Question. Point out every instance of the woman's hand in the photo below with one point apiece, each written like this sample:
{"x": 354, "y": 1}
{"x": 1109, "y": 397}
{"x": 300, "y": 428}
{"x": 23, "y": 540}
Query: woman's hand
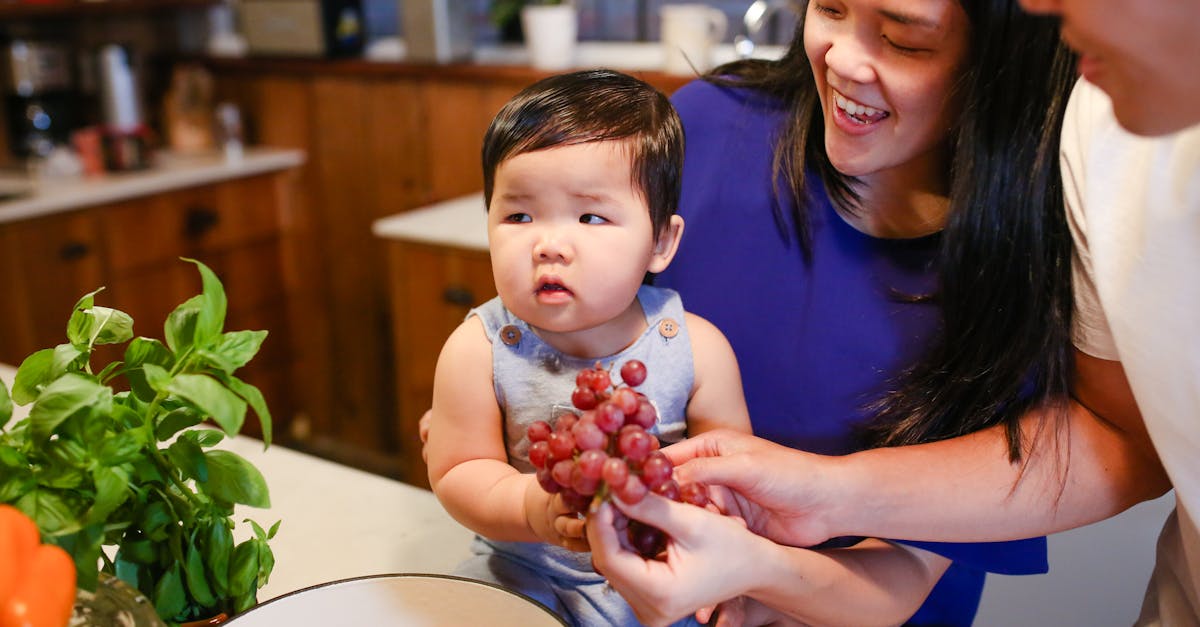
{"x": 781, "y": 493}
{"x": 709, "y": 559}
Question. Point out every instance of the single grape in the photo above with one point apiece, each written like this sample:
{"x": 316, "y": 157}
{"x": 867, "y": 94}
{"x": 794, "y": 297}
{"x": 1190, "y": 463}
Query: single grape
{"x": 625, "y": 399}
{"x": 634, "y": 444}
{"x": 539, "y": 452}
{"x": 646, "y": 540}
{"x": 547, "y": 482}
{"x": 609, "y": 417}
{"x": 562, "y": 444}
{"x": 584, "y": 378}
{"x": 561, "y": 471}
{"x": 588, "y": 436}
{"x": 632, "y": 491}
{"x": 645, "y": 416}
{"x": 694, "y": 493}
{"x": 615, "y": 471}
{"x": 600, "y": 381}
{"x": 565, "y": 422}
{"x": 591, "y": 463}
{"x": 656, "y": 470}
{"x": 582, "y": 483}
{"x": 633, "y": 373}
{"x": 668, "y": 489}
{"x": 575, "y": 501}
{"x": 538, "y": 431}
{"x": 583, "y": 398}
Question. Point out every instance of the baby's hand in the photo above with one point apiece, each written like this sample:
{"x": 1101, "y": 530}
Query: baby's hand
{"x": 552, "y": 521}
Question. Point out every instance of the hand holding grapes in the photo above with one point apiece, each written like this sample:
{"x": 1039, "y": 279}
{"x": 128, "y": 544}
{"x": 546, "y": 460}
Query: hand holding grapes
{"x": 607, "y": 450}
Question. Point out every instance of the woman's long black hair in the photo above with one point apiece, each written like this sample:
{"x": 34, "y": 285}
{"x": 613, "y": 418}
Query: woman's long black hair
{"x": 1004, "y": 264}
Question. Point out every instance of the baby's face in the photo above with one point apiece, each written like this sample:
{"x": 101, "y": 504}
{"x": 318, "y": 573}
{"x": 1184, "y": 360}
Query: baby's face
{"x": 570, "y": 236}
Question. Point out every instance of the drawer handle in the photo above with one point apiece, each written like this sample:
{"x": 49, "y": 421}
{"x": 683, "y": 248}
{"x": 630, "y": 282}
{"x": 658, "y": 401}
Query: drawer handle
{"x": 199, "y": 220}
{"x": 457, "y": 295}
{"x": 73, "y": 251}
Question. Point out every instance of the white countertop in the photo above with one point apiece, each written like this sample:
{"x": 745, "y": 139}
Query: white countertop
{"x": 460, "y": 222}
{"x": 170, "y": 171}
{"x": 339, "y": 522}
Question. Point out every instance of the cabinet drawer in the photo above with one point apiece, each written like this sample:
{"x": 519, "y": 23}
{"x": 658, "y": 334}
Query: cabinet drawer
{"x": 46, "y": 264}
{"x": 189, "y": 222}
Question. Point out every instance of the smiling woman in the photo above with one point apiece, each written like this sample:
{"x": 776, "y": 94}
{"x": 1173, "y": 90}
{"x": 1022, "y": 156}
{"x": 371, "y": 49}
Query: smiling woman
{"x": 884, "y": 202}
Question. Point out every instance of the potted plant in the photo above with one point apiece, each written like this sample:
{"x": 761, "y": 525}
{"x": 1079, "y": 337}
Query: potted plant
{"x": 548, "y": 26}
{"x": 114, "y": 465}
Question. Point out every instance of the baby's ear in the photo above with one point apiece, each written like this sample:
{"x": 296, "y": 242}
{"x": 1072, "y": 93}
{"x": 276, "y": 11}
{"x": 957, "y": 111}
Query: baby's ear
{"x": 667, "y": 244}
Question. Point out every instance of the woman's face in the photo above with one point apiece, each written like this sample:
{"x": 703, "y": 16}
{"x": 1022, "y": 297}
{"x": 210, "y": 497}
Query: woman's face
{"x": 885, "y": 70}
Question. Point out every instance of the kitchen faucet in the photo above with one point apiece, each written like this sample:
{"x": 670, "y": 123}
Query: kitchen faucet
{"x": 754, "y": 20}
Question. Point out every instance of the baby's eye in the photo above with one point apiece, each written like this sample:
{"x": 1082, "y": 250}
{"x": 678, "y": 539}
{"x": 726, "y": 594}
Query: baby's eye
{"x": 518, "y": 217}
{"x": 591, "y": 218}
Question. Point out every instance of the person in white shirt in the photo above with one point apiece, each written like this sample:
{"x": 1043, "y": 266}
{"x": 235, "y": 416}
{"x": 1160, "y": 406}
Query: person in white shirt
{"x": 1131, "y": 172}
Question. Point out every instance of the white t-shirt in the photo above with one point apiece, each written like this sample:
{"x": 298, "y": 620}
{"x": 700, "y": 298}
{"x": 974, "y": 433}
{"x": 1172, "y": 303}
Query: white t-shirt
{"x": 1134, "y": 208}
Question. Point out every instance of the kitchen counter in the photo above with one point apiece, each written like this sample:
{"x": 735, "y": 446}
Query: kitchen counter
{"x": 459, "y": 222}
{"x": 170, "y": 171}
{"x": 339, "y": 522}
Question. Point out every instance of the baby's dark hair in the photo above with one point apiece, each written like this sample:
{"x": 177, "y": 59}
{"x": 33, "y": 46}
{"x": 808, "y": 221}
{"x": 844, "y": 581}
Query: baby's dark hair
{"x": 592, "y": 106}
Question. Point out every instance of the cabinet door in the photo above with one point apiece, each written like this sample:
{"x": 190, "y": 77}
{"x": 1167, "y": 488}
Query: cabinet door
{"x": 46, "y": 264}
{"x": 432, "y": 289}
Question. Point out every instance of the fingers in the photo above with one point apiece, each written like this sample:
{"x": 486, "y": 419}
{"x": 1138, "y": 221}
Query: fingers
{"x": 678, "y": 520}
{"x": 707, "y": 444}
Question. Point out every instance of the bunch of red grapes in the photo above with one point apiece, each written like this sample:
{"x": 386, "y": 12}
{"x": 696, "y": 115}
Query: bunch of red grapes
{"x": 606, "y": 450}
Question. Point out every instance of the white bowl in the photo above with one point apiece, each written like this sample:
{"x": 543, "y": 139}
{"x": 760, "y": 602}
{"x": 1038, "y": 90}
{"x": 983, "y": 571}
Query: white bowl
{"x": 411, "y": 600}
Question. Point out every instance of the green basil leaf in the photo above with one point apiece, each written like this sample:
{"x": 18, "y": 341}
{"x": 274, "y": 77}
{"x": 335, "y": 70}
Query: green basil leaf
{"x": 234, "y": 480}
{"x": 99, "y": 325}
{"x": 64, "y": 451}
{"x": 254, "y": 397}
{"x": 266, "y": 562}
{"x": 211, "y": 317}
{"x": 76, "y": 323}
{"x": 194, "y": 576}
{"x": 243, "y": 570}
{"x": 176, "y": 421}
{"x": 6, "y": 405}
{"x": 169, "y": 596}
{"x": 218, "y": 550}
{"x": 127, "y": 570}
{"x": 112, "y": 490}
{"x": 12, "y": 488}
{"x": 143, "y": 351}
{"x": 274, "y": 530}
{"x": 206, "y": 438}
{"x": 49, "y": 511}
{"x": 155, "y": 518}
{"x": 211, "y": 398}
{"x": 120, "y": 449}
{"x": 186, "y": 454}
{"x": 35, "y": 371}
{"x": 234, "y": 349}
{"x": 138, "y": 551}
{"x": 64, "y": 397}
{"x": 180, "y": 327}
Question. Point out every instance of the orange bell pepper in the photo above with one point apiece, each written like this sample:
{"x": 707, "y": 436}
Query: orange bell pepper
{"x": 37, "y": 581}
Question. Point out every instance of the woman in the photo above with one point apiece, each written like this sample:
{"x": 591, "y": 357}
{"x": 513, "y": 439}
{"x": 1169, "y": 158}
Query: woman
{"x": 875, "y": 222}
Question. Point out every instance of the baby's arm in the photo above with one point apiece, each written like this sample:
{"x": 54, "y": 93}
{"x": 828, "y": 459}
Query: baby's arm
{"x": 468, "y": 463}
{"x": 717, "y": 400}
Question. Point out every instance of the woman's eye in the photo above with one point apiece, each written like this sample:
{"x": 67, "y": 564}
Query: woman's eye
{"x": 903, "y": 49}
{"x": 518, "y": 217}
{"x": 826, "y": 10}
{"x": 591, "y": 218}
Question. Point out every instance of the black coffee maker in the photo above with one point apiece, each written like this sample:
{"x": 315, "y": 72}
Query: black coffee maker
{"x": 41, "y": 102}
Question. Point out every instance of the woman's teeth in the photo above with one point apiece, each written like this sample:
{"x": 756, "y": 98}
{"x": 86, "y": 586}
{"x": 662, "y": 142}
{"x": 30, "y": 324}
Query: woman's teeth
{"x": 860, "y": 112}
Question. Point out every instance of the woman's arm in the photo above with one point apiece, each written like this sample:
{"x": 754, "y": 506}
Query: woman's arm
{"x": 717, "y": 401}
{"x": 468, "y": 462}
{"x": 713, "y": 557}
{"x": 1096, "y": 463}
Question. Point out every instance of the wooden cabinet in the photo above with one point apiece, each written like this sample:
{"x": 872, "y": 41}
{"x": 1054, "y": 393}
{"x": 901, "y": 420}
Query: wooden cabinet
{"x": 432, "y": 288}
{"x": 133, "y": 249}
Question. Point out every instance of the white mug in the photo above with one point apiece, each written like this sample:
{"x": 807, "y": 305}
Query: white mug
{"x": 689, "y": 32}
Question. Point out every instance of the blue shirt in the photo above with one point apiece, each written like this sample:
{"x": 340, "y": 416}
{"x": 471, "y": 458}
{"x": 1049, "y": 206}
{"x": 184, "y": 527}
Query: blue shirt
{"x": 816, "y": 341}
